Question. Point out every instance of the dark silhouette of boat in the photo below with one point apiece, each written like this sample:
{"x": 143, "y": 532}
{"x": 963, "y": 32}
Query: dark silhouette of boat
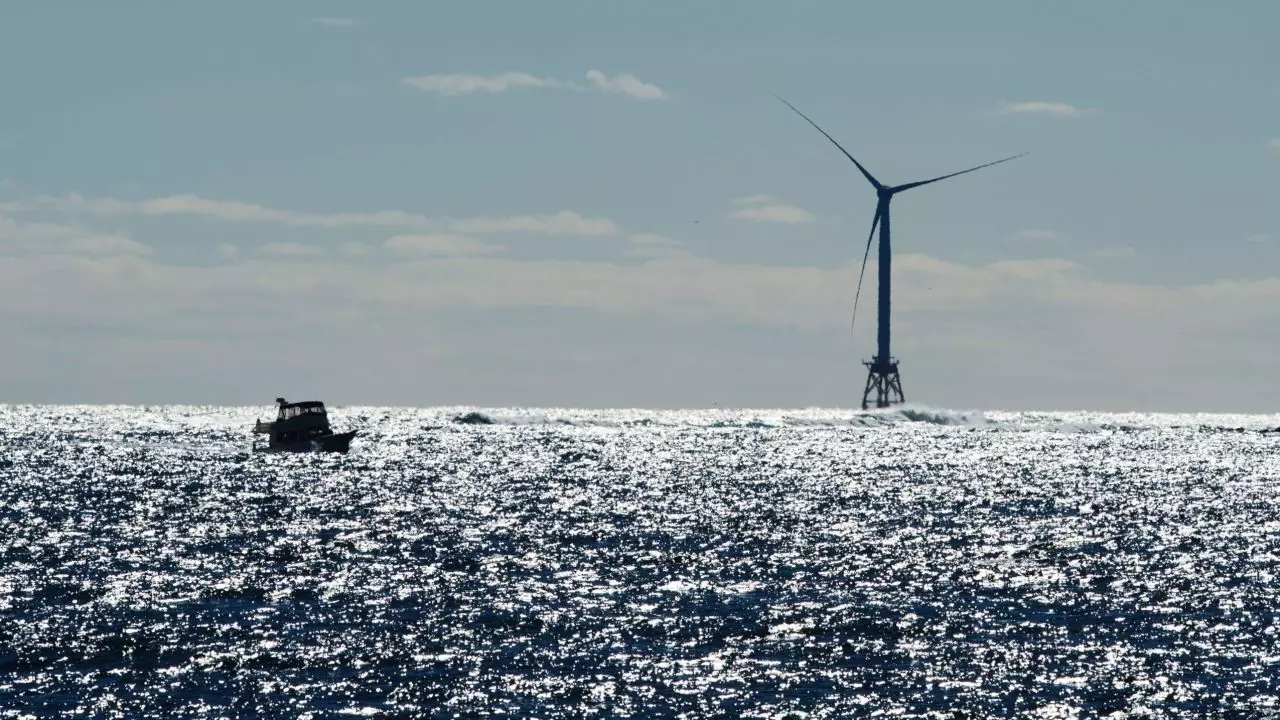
{"x": 301, "y": 427}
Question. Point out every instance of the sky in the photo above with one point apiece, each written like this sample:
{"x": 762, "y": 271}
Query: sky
{"x": 587, "y": 204}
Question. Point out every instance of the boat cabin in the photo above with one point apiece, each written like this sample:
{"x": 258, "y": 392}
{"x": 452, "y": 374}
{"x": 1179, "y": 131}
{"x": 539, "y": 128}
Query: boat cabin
{"x": 288, "y": 411}
{"x": 295, "y": 422}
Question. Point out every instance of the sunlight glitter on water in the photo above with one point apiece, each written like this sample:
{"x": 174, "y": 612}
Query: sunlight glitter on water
{"x": 565, "y": 563}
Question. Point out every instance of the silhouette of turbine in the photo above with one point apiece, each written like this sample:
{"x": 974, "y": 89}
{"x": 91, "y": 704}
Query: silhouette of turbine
{"x": 882, "y": 370}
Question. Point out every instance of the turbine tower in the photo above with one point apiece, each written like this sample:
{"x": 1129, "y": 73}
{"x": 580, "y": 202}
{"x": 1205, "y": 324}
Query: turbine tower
{"x": 882, "y": 370}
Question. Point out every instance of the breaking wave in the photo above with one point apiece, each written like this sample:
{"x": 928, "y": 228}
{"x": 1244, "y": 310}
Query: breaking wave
{"x": 774, "y": 418}
{"x": 1059, "y": 422}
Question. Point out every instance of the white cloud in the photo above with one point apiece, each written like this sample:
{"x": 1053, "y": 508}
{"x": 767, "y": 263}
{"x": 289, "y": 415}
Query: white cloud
{"x": 762, "y": 208}
{"x": 789, "y": 214}
{"x": 452, "y": 85}
{"x": 1038, "y": 107}
{"x": 467, "y": 83}
{"x": 107, "y": 245}
{"x": 561, "y": 223}
{"x": 656, "y": 247}
{"x": 1042, "y": 269}
{"x": 564, "y": 222}
{"x": 625, "y": 84}
{"x": 46, "y": 237}
{"x": 1274, "y": 144}
{"x": 1260, "y": 238}
{"x": 1121, "y": 251}
{"x": 34, "y": 232}
{"x": 236, "y": 211}
{"x": 290, "y": 249}
{"x": 227, "y": 251}
{"x": 335, "y": 21}
{"x": 194, "y": 205}
{"x": 1038, "y": 235}
{"x": 653, "y": 240}
{"x": 440, "y": 245}
{"x": 354, "y": 248}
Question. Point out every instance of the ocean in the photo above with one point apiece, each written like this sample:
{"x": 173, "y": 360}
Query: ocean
{"x": 639, "y": 564}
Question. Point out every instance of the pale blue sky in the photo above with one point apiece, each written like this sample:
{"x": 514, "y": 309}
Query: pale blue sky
{"x": 168, "y": 160}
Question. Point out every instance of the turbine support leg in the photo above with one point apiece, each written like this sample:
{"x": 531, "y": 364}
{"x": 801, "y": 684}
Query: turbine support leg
{"x": 884, "y": 382}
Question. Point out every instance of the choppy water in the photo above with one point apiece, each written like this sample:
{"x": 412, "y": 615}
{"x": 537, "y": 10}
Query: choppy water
{"x": 639, "y": 564}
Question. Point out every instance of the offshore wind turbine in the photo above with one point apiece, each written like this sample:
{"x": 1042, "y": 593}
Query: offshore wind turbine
{"x": 882, "y": 370}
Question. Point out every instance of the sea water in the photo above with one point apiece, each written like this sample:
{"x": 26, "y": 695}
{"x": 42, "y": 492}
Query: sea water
{"x": 606, "y": 564}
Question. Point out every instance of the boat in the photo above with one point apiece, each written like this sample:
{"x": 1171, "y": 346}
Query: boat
{"x": 301, "y": 427}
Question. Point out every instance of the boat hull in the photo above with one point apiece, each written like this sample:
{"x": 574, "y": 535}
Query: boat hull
{"x": 338, "y": 442}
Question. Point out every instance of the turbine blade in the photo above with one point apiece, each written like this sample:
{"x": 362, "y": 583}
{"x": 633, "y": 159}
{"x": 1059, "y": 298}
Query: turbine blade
{"x": 866, "y": 254}
{"x": 865, "y": 174}
{"x": 908, "y": 186}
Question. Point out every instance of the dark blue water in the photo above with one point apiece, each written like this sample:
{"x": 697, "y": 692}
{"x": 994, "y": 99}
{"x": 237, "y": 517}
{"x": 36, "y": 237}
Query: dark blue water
{"x": 628, "y": 564}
